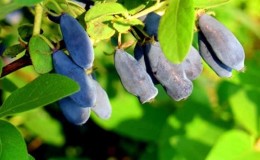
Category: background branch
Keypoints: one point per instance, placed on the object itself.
(15, 65)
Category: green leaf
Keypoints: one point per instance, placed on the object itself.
(133, 117)
(206, 132)
(25, 31)
(104, 9)
(51, 133)
(7, 85)
(176, 29)
(1, 66)
(209, 3)
(245, 111)
(44, 90)
(27, 2)
(121, 28)
(40, 53)
(131, 22)
(99, 30)
(1, 148)
(135, 6)
(234, 144)
(184, 132)
(14, 50)
(12, 143)
(30, 157)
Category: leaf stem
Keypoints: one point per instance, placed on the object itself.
(37, 19)
(48, 42)
(155, 7)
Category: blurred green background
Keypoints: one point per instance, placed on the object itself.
(219, 121)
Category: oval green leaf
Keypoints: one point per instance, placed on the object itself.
(25, 32)
(104, 9)
(13, 50)
(121, 28)
(40, 53)
(12, 143)
(98, 30)
(176, 29)
(44, 90)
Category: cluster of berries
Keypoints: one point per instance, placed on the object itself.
(217, 46)
(91, 96)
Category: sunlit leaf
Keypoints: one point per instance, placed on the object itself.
(121, 28)
(209, 3)
(234, 144)
(104, 9)
(176, 29)
(51, 133)
(99, 31)
(245, 111)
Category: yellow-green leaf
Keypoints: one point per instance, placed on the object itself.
(176, 29)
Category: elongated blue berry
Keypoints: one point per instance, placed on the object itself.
(224, 44)
(208, 54)
(192, 64)
(77, 41)
(86, 97)
(102, 108)
(74, 112)
(151, 22)
(171, 76)
(134, 77)
(139, 55)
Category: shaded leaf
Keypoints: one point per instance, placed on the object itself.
(13, 51)
(25, 31)
(12, 144)
(1, 66)
(44, 90)
(132, 118)
(176, 29)
(7, 85)
(135, 6)
(30, 157)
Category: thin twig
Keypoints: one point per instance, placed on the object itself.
(16, 65)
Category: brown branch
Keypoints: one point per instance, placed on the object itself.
(16, 65)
